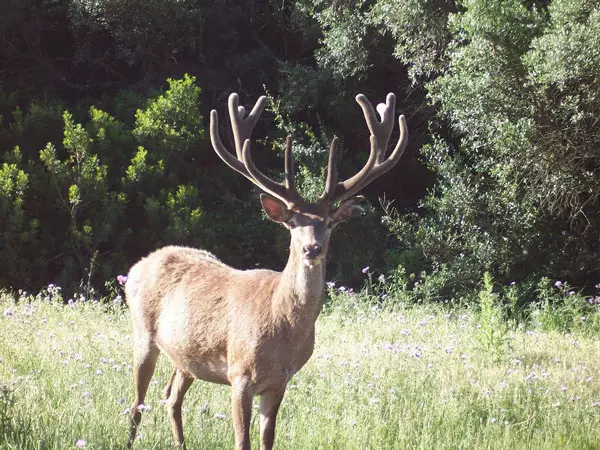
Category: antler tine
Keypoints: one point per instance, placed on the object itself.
(332, 174)
(220, 149)
(279, 190)
(377, 164)
(381, 130)
(242, 128)
(290, 174)
(385, 166)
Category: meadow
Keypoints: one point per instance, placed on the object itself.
(407, 376)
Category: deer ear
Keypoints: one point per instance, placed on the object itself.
(276, 210)
(348, 208)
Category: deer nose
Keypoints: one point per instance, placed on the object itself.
(312, 250)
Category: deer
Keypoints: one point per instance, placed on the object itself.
(249, 329)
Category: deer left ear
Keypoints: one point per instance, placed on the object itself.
(348, 208)
(276, 210)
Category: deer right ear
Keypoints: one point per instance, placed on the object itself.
(348, 208)
(276, 210)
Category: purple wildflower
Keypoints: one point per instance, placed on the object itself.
(122, 279)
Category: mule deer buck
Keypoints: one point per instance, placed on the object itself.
(250, 329)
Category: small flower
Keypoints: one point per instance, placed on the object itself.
(99, 372)
(365, 269)
(87, 394)
(331, 284)
(8, 313)
(219, 416)
(558, 284)
(381, 278)
(122, 279)
(80, 443)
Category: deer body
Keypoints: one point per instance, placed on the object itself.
(210, 325)
(250, 329)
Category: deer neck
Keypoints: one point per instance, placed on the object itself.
(299, 295)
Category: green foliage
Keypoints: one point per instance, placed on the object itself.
(84, 198)
(510, 133)
(420, 32)
(15, 227)
(514, 194)
(143, 32)
(560, 307)
(492, 335)
(177, 215)
(343, 48)
(172, 121)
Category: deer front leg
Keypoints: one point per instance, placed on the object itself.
(241, 411)
(269, 405)
(145, 358)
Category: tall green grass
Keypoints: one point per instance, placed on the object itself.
(381, 378)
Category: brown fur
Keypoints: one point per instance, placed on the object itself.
(251, 329)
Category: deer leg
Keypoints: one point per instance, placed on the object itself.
(269, 405)
(143, 368)
(178, 386)
(167, 391)
(241, 411)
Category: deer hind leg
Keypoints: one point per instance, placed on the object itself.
(176, 389)
(269, 405)
(145, 357)
(241, 411)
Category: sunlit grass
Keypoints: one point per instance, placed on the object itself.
(414, 377)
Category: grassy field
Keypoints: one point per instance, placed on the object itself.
(412, 377)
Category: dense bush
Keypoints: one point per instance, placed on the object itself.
(101, 162)
(516, 192)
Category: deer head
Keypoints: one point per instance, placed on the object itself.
(311, 223)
